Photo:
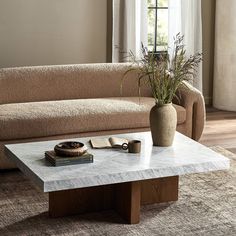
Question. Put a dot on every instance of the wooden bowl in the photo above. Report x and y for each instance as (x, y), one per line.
(70, 149)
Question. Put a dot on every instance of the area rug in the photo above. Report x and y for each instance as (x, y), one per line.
(206, 206)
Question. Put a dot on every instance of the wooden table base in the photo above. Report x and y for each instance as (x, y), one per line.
(125, 198)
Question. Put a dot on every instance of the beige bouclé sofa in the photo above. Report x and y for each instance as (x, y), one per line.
(57, 102)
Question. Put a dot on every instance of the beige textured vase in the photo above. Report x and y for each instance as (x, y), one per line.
(163, 121)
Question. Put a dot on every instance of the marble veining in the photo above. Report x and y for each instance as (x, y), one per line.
(116, 166)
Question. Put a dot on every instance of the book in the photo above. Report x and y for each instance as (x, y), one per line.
(112, 142)
(55, 160)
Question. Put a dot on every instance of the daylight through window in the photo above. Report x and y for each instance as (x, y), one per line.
(157, 25)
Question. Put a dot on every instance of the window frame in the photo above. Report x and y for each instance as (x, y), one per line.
(156, 8)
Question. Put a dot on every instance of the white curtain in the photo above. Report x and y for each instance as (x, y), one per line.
(185, 18)
(224, 83)
(129, 28)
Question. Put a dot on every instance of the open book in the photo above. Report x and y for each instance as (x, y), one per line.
(112, 142)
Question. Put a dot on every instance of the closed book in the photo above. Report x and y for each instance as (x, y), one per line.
(62, 161)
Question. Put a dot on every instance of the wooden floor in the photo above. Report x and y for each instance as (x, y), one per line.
(220, 129)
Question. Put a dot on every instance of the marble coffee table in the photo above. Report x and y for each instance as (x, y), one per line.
(117, 179)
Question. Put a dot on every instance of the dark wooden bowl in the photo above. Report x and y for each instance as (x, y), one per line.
(70, 149)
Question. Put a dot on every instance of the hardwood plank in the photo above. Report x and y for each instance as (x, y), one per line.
(220, 129)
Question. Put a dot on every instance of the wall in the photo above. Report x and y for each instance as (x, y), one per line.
(208, 18)
(39, 32)
(36, 32)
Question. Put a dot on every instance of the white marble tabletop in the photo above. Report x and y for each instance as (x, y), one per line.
(115, 166)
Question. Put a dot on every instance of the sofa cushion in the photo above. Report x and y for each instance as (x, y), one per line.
(40, 119)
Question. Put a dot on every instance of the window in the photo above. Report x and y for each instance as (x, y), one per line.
(157, 25)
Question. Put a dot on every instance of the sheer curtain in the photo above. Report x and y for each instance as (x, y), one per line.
(185, 17)
(224, 83)
(129, 27)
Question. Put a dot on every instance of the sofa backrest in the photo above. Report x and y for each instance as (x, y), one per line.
(46, 83)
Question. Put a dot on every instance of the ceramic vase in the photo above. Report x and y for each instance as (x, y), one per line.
(163, 121)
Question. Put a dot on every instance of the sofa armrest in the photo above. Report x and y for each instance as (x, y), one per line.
(192, 100)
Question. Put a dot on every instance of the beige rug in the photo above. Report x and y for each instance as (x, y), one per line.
(207, 206)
